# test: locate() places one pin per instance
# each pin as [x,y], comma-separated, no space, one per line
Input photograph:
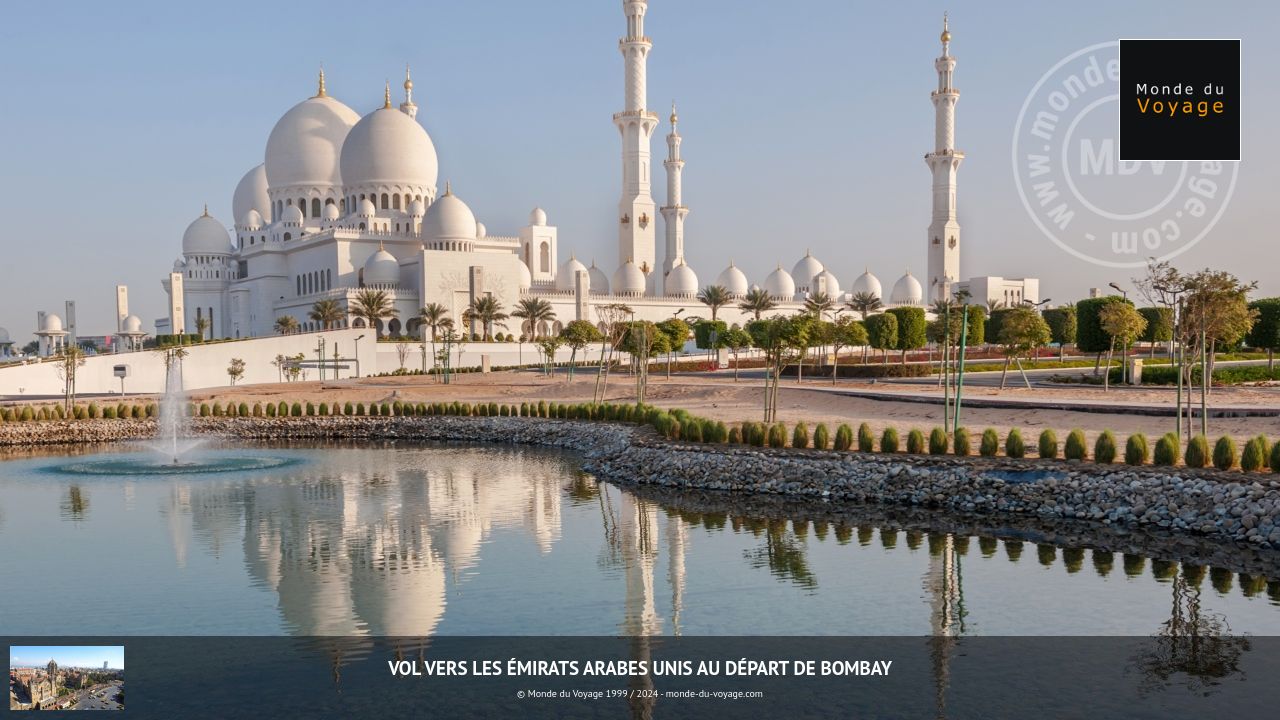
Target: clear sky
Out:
[86,656]
[804,126]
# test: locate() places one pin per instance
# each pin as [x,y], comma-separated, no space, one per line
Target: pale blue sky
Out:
[804,126]
[67,655]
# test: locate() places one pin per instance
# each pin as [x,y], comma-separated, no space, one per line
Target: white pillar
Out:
[636,208]
[944,162]
[674,212]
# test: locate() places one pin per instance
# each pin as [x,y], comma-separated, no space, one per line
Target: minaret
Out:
[636,221]
[944,161]
[674,212]
[407,107]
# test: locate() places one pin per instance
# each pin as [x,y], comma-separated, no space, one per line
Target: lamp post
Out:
[358,339]
[1176,360]
[1124,351]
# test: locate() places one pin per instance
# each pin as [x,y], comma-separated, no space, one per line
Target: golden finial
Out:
[320,92]
[674,118]
[448,187]
[206,210]
[946,33]
[386,96]
[380,248]
[408,81]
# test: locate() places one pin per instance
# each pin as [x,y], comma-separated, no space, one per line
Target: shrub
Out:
[960,444]
[257,409]
[1224,453]
[735,436]
[800,436]
[989,446]
[1265,445]
[1075,448]
[778,436]
[311,408]
[821,437]
[153,410]
[1136,450]
[386,410]
[218,410]
[123,411]
[204,410]
[322,408]
[937,441]
[1014,446]
[282,409]
[231,410]
[1104,449]
[915,442]
[693,432]
[296,409]
[1254,457]
[1197,452]
[348,409]
[757,434]
[721,433]
[94,411]
[866,440]
[889,441]
[109,413]
[1166,452]
[1274,463]
[542,409]
[1047,447]
[271,409]
[244,409]
[844,437]
[360,408]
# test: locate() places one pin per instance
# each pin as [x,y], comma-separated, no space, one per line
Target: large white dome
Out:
[52,324]
[907,291]
[449,218]
[682,282]
[133,324]
[389,148]
[568,274]
[779,285]
[381,269]
[206,236]
[526,277]
[868,283]
[833,284]
[805,270]
[628,280]
[599,281]
[251,194]
[305,145]
[733,280]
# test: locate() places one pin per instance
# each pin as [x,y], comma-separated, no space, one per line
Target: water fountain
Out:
[172,427]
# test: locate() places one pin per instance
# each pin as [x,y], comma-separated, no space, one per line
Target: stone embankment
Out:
[1223,506]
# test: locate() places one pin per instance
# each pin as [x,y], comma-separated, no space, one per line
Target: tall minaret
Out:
[636,221]
[944,161]
[674,212]
[407,107]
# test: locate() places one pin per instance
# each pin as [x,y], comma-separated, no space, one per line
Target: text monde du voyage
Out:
[628,668]
[1181,99]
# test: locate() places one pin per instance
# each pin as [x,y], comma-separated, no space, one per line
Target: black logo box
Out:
[1187,68]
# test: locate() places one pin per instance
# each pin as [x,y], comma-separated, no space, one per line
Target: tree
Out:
[706,333]
[487,311]
[1123,323]
[202,326]
[69,362]
[1062,326]
[286,324]
[1159,326]
[1216,314]
[845,332]
[611,317]
[235,370]
[882,332]
[432,316]
[402,352]
[677,332]
[779,338]
[577,335]
[818,305]
[1265,333]
[736,340]
[1022,332]
[995,322]
[1090,337]
[327,313]
[912,329]
[714,297]
[864,302]
[994,304]
[532,312]
[977,332]
[374,306]
[757,302]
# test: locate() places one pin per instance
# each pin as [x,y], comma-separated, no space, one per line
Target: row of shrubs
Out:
[1222,375]
[92,411]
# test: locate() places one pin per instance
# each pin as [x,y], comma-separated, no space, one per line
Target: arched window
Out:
[343,206]
[361,226]
[395,202]
[288,237]
[544,258]
[315,207]
[328,282]
[302,205]
[385,201]
[289,202]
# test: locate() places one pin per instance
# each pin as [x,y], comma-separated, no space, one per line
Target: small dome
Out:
[381,269]
[526,277]
[251,220]
[387,147]
[251,194]
[481,230]
[292,215]
[907,291]
[179,264]
[568,274]
[133,324]
[868,283]
[538,217]
[305,144]
[331,212]
[805,270]
[206,236]
[417,208]
[599,281]
[628,280]
[449,218]
[833,285]
[682,282]
[52,324]
[367,208]
[780,285]
[733,280]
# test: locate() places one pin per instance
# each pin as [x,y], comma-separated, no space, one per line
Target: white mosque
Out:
[343,202]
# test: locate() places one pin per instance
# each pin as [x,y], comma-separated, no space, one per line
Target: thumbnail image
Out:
[66,677]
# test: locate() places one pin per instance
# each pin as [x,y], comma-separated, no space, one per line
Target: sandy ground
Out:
[812,401]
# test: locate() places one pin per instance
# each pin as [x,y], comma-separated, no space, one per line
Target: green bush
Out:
[1254,457]
[231,410]
[204,410]
[821,437]
[257,409]
[800,436]
[844,437]
[937,441]
[1224,453]
[1197,452]
[271,409]
[153,410]
[1166,452]
[866,439]
[109,413]
[1014,446]
[1104,449]
[360,408]
[778,436]
[757,435]
[721,433]
[693,432]
[915,442]
[94,411]
[1076,448]
[889,440]
[348,408]
[244,409]
[282,409]
[1047,447]
[218,410]
[311,409]
[1265,445]
[735,435]
[989,446]
[542,409]
[322,409]
[296,409]
[1136,450]
[961,444]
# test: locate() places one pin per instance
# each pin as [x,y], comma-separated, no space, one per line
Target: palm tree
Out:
[757,302]
[533,312]
[864,302]
[326,312]
[373,306]
[286,324]
[714,297]
[488,312]
[818,305]
[994,304]
[202,327]
[432,316]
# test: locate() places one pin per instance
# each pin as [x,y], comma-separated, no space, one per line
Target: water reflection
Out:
[76,504]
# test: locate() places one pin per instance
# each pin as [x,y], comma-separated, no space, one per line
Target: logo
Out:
[1072,182]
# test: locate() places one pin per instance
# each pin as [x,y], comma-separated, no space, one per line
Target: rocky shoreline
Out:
[1230,508]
